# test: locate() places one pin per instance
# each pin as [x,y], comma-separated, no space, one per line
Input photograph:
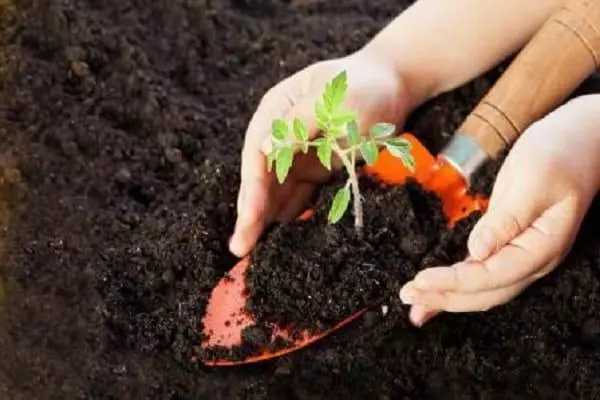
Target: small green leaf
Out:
[369,151]
[283,163]
[300,130]
[339,204]
[353,134]
[324,153]
[409,162]
[382,130]
[402,152]
[322,125]
[335,91]
[399,142]
[322,116]
[321,111]
[342,117]
[280,129]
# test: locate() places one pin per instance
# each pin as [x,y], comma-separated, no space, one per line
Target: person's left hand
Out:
[540,197]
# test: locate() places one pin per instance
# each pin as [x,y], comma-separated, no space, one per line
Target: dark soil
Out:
[311,275]
[125,119]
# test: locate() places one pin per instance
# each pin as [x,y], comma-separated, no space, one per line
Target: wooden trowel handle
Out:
[563,53]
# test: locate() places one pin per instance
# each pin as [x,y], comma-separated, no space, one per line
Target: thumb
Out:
[509,216]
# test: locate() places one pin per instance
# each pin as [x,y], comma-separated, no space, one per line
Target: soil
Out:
[121,126]
[312,274]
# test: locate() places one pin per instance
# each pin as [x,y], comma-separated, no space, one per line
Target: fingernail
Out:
[483,245]
[236,245]
[408,294]
[417,314]
[426,318]
[420,315]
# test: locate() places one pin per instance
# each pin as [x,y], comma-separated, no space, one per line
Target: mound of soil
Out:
[125,119]
[310,275]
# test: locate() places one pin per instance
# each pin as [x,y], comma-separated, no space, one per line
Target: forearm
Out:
[438,45]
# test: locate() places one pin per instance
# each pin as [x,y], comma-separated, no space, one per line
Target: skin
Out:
[542,191]
[540,197]
[427,50]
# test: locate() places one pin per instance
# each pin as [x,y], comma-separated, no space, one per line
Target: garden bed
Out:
[125,119]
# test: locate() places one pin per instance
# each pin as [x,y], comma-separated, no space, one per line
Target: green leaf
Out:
[382,130]
[321,111]
[335,91]
[322,125]
[369,151]
[353,134]
[409,161]
[342,117]
[399,142]
[402,151]
[324,153]
[339,205]
[283,163]
[280,129]
[300,130]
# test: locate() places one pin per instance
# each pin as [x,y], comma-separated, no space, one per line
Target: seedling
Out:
[340,137]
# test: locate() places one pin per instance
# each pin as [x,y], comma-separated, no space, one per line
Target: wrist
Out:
[583,113]
[415,86]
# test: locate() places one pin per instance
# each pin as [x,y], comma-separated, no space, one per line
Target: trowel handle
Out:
[563,53]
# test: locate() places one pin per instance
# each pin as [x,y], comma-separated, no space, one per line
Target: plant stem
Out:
[356,198]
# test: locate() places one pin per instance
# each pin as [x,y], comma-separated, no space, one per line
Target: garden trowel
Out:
[563,53]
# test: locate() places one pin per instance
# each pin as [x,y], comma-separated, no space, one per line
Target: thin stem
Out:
[358,211]
[349,165]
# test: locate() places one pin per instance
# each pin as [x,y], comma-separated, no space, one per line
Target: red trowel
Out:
[558,59]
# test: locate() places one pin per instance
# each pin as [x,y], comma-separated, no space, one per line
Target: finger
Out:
[514,204]
[524,256]
[509,265]
[419,315]
[253,208]
[253,198]
[502,223]
[256,200]
[297,202]
[461,302]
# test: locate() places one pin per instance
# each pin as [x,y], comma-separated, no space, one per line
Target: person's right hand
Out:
[376,92]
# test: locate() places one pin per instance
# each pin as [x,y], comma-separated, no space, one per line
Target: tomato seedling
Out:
[340,137]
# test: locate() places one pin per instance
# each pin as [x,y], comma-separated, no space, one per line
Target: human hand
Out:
[376,92]
[540,197]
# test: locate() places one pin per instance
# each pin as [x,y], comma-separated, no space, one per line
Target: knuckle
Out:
[268,97]
[508,226]
[461,280]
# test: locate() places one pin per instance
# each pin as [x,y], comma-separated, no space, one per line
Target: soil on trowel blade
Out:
[310,275]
